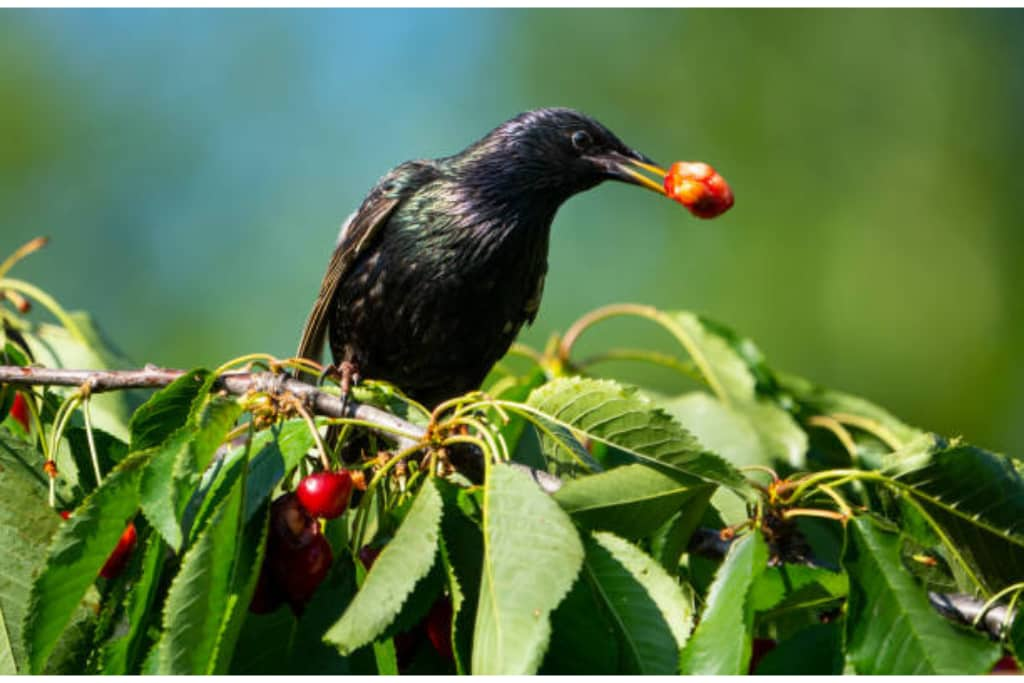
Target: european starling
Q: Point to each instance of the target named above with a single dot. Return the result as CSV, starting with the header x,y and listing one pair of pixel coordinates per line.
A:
x,y
444,261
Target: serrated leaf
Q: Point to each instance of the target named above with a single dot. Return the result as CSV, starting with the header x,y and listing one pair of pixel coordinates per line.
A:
x,y
796,585
513,430
125,650
891,628
109,451
650,612
577,624
532,554
619,416
27,524
167,410
631,501
275,451
462,550
975,496
669,543
721,643
401,565
178,464
211,589
76,554
743,402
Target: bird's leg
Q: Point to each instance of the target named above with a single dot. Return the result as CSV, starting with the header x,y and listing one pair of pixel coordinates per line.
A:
x,y
346,373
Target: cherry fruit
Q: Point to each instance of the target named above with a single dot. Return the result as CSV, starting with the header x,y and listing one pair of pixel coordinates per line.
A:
x,y
699,188
19,411
1007,665
299,572
119,558
439,626
297,560
266,598
368,556
325,494
290,524
759,648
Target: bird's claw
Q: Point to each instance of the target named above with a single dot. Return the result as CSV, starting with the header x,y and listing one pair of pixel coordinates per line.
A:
x,y
346,373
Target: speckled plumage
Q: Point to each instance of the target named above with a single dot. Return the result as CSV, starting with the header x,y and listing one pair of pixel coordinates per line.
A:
x,y
444,261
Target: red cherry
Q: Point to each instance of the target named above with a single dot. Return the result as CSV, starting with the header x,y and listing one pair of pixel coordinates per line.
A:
x,y
760,647
699,188
325,494
19,411
290,524
266,598
66,514
439,626
119,558
298,572
1005,666
368,556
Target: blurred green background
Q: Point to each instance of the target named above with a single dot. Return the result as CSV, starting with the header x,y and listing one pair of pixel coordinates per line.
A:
x,y
192,168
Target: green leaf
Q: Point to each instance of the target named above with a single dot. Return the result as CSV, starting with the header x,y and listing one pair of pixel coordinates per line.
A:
x,y
109,451
55,347
744,396
513,430
650,612
400,566
76,554
178,464
631,501
747,433
577,624
818,400
125,650
891,628
815,650
793,586
167,410
720,645
211,592
275,451
532,554
976,497
619,416
462,550
669,543
1015,637
27,524
278,643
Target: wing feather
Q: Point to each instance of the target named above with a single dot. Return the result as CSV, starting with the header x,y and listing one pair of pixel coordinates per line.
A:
x,y
357,234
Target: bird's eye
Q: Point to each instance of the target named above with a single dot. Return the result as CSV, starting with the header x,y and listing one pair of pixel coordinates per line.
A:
x,y
581,140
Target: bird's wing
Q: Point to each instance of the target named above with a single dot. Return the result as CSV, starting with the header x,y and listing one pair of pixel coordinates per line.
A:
x,y
357,233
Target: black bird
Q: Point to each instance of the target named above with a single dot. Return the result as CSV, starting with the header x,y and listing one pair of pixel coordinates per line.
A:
x,y
444,261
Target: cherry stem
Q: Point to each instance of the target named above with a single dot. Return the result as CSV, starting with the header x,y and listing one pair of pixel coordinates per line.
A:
x,y
86,412
30,247
836,427
873,427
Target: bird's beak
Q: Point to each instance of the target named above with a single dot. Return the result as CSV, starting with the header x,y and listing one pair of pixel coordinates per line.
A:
x,y
630,168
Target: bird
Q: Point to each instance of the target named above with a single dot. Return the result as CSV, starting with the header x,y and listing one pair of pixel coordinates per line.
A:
x,y
444,261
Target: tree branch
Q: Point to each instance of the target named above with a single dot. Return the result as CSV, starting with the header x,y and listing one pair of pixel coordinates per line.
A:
x,y
239,384
236,383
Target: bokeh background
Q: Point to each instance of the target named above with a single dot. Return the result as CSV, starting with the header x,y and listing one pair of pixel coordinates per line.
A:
x,y
192,168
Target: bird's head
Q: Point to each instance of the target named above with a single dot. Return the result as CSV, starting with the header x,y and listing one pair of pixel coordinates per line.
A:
x,y
558,152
